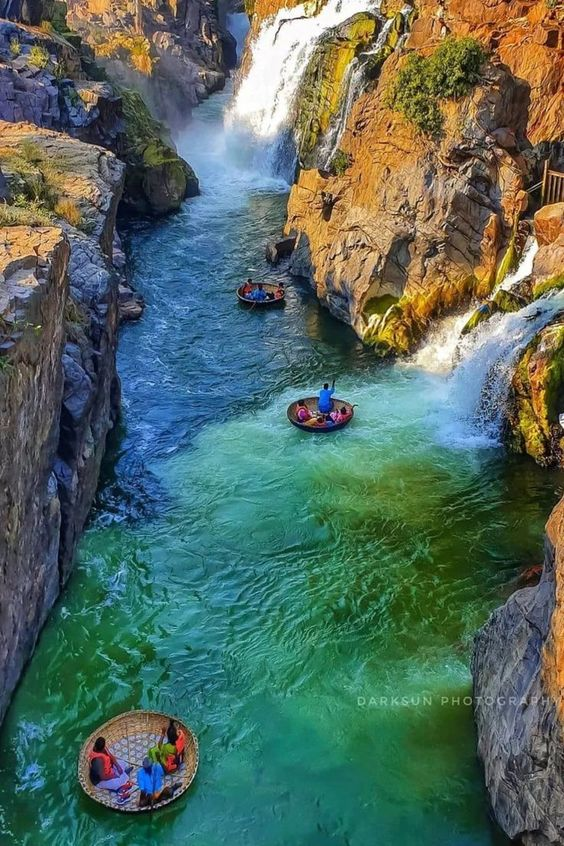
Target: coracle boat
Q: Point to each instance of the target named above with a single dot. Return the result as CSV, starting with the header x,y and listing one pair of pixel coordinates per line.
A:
x,y
268,288
311,404
129,736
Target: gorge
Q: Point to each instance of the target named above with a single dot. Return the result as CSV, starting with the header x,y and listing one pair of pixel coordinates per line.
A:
x,y
310,607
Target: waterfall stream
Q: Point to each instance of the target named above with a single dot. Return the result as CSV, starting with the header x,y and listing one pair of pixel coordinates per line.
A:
x,y
280,53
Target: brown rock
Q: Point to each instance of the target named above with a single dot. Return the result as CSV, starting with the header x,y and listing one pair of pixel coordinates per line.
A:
x,y
549,224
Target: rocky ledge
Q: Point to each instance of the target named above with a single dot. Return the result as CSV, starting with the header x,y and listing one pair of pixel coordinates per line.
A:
x,y
60,278
518,670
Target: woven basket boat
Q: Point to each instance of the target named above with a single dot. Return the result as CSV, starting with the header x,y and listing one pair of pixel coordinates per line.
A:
x,y
311,403
129,736
269,289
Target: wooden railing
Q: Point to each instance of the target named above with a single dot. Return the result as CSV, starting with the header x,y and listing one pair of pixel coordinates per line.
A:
x,y
552,186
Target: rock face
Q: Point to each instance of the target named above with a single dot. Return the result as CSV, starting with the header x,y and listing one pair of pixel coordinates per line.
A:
x,y
408,227
174,54
33,286
60,390
411,221
518,670
56,95
536,398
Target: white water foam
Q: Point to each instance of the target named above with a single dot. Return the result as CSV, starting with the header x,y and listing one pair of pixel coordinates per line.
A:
x,y
525,267
480,383
438,352
279,58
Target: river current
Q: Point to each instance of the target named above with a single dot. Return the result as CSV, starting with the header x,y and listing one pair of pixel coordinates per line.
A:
x,y
306,603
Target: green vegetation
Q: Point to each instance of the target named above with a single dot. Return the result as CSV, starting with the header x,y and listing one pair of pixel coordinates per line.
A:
x,y
379,305
449,72
24,213
553,284
38,56
40,183
340,162
15,47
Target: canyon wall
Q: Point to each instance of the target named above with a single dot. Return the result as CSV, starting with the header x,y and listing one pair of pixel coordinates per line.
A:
x,y
518,670
59,387
174,53
422,223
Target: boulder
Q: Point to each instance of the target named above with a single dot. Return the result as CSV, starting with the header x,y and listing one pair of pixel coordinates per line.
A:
x,y
549,224
281,249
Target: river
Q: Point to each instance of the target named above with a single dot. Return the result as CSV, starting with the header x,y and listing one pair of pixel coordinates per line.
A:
x,y
306,603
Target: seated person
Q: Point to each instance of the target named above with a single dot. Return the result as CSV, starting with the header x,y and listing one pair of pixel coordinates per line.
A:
x,y
303,413
170,754
150,781
325,403
106,772
259,294
316,421
247,289
340,416
279,293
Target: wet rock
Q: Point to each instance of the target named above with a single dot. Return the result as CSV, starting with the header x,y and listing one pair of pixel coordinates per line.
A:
x,y
130,304
537,398
281,249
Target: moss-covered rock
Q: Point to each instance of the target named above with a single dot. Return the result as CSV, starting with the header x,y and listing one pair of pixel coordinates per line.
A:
x,y
157,178
405,322
537,398
554,283
482,313
323,88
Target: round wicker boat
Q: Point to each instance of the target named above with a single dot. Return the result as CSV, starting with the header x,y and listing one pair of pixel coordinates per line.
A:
x,y
268,303
311,403
129,736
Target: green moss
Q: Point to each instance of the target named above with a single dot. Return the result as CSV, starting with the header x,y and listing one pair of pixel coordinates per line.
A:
x,y
378,305
508,262
449,72
483,313
322,89
553,284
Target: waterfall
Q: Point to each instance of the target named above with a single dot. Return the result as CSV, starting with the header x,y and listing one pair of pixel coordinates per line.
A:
x,y
279,57
525,267
354,84
480,382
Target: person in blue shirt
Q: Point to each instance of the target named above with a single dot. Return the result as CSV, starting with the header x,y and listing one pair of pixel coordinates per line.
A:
x,y
325,403
150,781
259,293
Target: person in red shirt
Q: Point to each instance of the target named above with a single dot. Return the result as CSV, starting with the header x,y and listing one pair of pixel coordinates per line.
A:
x,y
106,771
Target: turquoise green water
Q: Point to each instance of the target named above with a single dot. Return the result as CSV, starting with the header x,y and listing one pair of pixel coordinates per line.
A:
x,y
307,604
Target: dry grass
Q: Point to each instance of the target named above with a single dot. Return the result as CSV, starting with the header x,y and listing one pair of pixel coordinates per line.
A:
x,y
68,209
133,49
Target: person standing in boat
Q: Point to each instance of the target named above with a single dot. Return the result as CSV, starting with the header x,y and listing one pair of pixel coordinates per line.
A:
x,y
325,403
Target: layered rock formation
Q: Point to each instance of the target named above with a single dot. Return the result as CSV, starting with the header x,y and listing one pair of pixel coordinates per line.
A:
x,y
409,226
43,81
60,391
33,294
518,671
175,54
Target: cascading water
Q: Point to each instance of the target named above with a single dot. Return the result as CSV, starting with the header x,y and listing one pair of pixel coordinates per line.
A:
x,y
486,359
354,84
279,58
525,267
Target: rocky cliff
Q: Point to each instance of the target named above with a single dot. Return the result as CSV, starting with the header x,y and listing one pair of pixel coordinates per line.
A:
x,y
411,223
43,80
175,53
60,392
518,669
